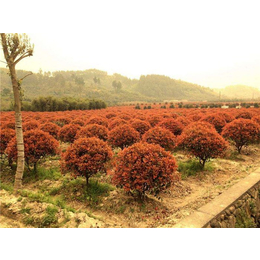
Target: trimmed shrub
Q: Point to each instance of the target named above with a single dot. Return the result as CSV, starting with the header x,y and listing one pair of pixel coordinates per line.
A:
x,y
202,142
86,157
37,144
157,135
6,135
68,133
172,124
93,130
145,168
242,132
123,136
51,128
140,126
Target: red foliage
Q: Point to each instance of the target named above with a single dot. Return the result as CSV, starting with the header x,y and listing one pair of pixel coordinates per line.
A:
x,y
140,126
154,120
78,122
51,128
202,142
37,144
98,120
8,124
256,119
216,120
87,156
61,121
30,125
145,168
123,136
93,130
68,133
172,124
244,114
242,132
117,122
5,137
157,135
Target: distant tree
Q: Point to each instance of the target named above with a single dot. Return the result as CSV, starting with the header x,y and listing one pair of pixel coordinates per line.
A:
x,y
117,85
16,47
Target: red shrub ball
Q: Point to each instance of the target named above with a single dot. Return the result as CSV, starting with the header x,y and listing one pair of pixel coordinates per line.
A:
x,y
172,124
216,120
203,142
30,125
117,122
157,135
123,136
242,132
61,121
145,167
244,114
6,135
37,144
93,130
154,120
98,120
87,156
68,133
51,128
140,126
78,122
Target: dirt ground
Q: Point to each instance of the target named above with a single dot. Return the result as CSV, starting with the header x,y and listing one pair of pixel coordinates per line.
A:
x,y
118,209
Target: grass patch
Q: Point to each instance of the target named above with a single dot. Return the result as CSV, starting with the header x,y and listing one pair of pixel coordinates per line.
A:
x,y
192,167
42,174
243,221
7,187
96,191
25,211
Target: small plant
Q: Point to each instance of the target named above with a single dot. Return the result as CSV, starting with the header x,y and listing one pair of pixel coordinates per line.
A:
x,y
50,217
25,210
243,221
192,167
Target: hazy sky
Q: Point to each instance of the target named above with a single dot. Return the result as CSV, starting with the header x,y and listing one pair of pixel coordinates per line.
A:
x,y
211,43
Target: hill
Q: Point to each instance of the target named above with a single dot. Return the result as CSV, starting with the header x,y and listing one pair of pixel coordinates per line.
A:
x,y
95,84
239,92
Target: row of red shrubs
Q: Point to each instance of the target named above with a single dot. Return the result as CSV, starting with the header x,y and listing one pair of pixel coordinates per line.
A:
x,y
145,137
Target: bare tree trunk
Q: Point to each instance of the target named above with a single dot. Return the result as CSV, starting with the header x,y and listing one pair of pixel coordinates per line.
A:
x,y
18,130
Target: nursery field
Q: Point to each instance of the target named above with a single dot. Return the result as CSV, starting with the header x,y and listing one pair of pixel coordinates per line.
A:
x,y
122,166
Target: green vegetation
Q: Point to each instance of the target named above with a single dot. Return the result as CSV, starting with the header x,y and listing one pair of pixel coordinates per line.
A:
x,y
243,221
192,167
75,90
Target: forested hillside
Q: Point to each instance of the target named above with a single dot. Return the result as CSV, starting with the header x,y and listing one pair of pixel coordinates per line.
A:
x,y
95,84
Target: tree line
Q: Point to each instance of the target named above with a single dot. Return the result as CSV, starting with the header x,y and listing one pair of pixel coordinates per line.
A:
x,y
50,104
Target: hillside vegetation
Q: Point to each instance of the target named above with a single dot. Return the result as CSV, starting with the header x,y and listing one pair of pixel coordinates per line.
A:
x,y
95,84
239,92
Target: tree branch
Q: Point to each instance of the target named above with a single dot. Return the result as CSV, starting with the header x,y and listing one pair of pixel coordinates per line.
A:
x,y
26,76
27,54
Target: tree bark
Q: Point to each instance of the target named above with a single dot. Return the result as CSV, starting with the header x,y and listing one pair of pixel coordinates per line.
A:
x,y
18,130
11,53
